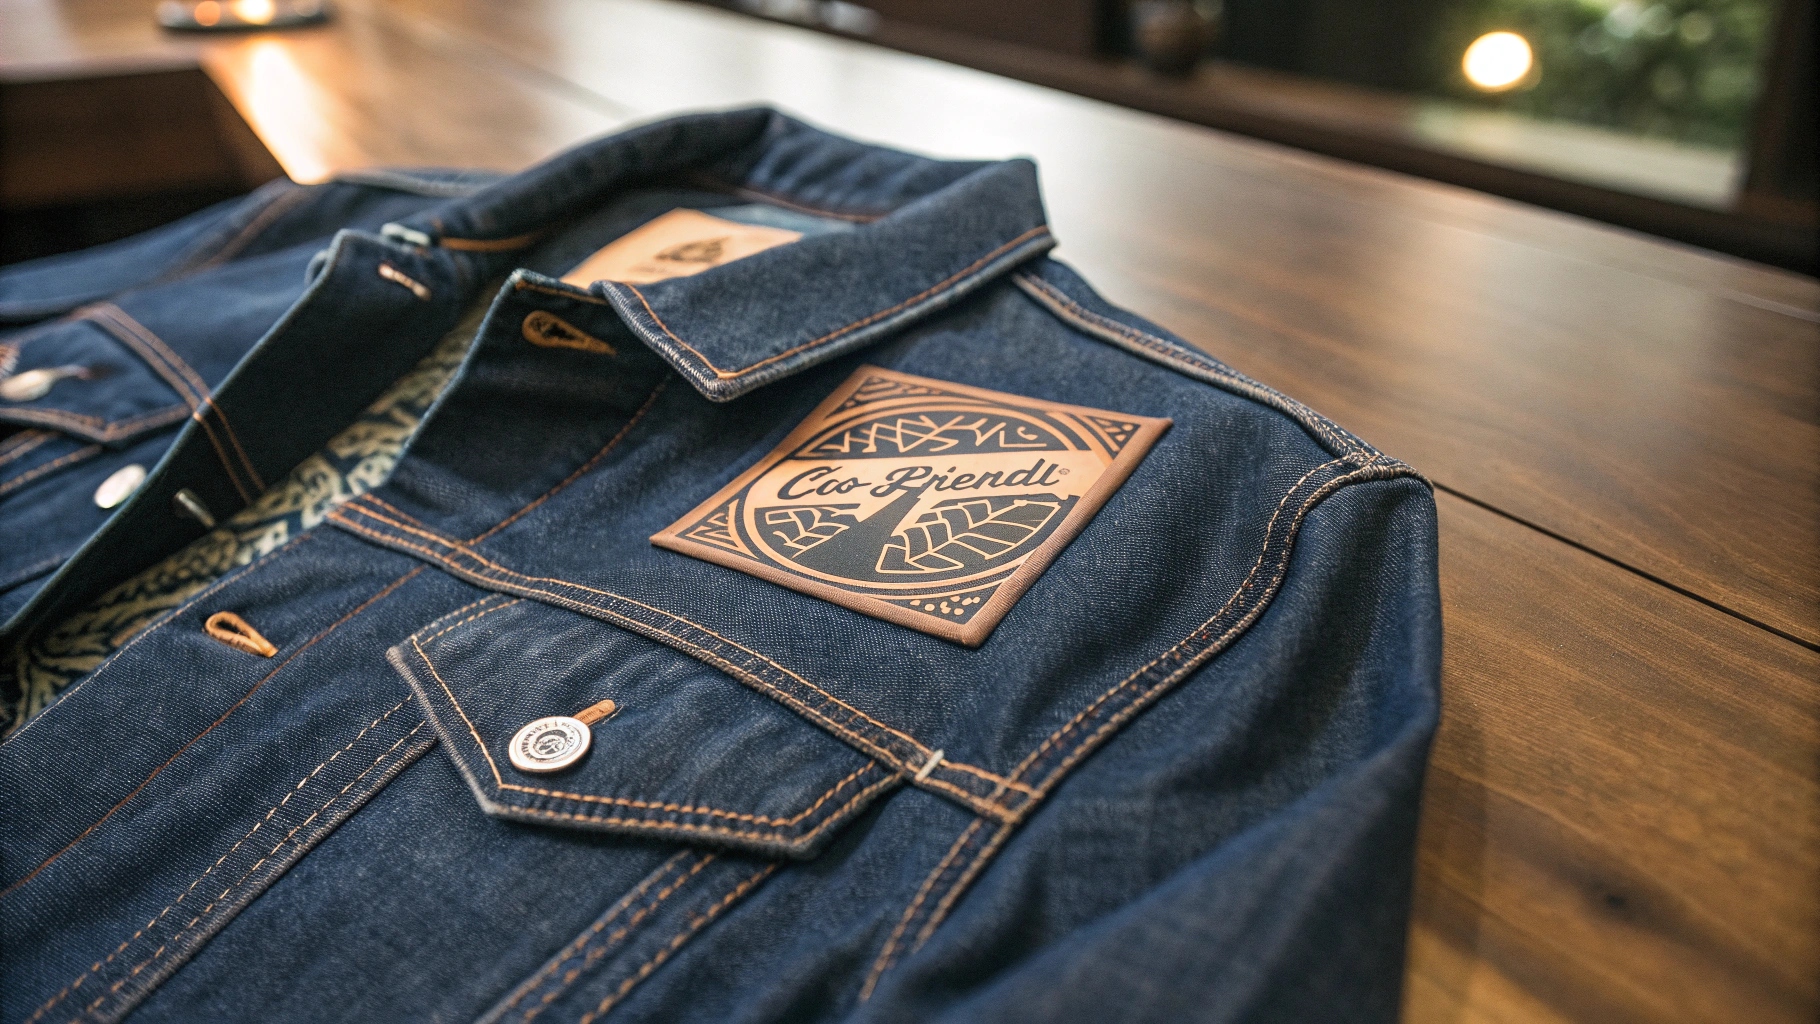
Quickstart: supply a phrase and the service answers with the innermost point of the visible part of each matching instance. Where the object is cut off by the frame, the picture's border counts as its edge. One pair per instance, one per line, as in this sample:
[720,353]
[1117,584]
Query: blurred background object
[1171,36]
[240,15]
[1691,119]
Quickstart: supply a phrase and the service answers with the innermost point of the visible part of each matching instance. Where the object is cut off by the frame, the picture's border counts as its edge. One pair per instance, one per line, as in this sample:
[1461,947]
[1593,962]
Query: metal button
[550,744]
[187,504]
[35,384]
[120,485]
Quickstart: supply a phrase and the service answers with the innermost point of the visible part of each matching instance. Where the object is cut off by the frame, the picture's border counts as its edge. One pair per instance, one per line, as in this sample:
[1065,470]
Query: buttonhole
[547,330]
[234,631]
[396,276]
[597,712]
[186,504]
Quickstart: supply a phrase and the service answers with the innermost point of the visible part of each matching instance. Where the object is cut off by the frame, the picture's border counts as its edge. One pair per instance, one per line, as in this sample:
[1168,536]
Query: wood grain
[367,94]
[1622,822]
[1614,391]
[1622,819]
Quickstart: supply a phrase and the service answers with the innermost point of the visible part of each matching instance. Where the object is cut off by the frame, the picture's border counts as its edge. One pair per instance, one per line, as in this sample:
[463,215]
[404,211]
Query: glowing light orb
[1497,61]
[255,12]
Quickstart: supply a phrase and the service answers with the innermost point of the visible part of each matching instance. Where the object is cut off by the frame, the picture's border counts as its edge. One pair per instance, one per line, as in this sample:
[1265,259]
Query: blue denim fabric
[1178,781]
[213,352]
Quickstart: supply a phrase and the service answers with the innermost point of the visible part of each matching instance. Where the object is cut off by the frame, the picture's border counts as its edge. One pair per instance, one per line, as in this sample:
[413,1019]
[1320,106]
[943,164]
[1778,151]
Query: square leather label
[677,244]
[921,502]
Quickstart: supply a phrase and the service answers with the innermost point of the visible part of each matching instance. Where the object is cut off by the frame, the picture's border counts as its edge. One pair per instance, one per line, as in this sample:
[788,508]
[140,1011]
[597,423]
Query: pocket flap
[687,753]
[96,377]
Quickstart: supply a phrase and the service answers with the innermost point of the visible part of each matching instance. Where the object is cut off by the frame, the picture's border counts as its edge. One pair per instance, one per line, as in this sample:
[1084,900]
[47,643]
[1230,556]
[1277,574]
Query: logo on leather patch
[929,504]
[678,244]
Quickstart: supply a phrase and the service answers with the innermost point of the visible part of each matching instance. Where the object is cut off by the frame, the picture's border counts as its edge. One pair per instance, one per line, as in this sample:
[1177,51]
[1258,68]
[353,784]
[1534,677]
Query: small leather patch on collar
[680,243]
[921,502]
[552,331]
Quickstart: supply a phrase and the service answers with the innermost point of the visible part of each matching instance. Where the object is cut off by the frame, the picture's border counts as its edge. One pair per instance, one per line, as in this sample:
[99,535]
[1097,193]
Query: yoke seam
[435,538]
[900,764]
[1338,440]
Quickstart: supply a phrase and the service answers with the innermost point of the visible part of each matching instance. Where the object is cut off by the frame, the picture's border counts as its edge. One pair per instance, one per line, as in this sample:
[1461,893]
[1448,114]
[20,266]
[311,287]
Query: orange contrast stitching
[499,781]
[645,824]
[1063,306]
[585,467]
[102,430]
[900,765]
[496,567]
[188,384]
[222,455]
[157,355]
[1056,736]
[493,244]
[754,192]
[885,959]
[162,621]
[72,986]
[1087,745]
[22,442]
[576,944]
[37,471]
[288,836]
[695,925]
[394,585]
[940,913]
[280,205]
[854,326]
[618,933]
[477,615]
[1084,747]
[209,404]
[579,296]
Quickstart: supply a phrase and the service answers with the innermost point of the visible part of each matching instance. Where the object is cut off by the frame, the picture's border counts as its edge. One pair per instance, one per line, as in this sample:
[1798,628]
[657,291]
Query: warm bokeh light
[206,13]
[1497,61]
[284,105]
[255,12]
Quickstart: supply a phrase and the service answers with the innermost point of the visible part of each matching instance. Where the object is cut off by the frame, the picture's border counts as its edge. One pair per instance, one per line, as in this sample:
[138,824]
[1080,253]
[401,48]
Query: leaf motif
[801,527]
[967,531]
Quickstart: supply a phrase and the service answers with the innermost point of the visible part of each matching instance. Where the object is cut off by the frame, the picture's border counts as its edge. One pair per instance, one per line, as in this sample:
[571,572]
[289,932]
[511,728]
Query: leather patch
[551,331]
[677,244]
[929,504]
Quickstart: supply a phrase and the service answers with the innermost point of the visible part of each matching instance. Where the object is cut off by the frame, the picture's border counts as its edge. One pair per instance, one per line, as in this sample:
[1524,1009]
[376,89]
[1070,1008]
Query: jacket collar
[926,233]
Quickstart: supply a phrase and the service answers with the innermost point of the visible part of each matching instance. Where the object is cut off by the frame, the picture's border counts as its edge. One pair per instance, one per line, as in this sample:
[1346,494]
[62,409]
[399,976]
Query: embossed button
[120,485]
[550,744]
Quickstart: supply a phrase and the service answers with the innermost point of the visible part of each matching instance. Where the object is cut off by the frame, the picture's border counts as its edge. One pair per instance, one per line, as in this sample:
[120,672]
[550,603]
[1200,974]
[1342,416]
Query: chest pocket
[684,753]
[99,377]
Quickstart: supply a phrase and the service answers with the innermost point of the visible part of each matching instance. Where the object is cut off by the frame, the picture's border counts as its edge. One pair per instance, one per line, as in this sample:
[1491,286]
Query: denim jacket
[834,611]
[138,353]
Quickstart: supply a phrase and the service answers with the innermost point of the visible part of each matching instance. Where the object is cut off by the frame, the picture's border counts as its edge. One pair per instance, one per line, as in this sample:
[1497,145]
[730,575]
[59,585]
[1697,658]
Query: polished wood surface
[1622,410]
[1622,822]
[1622,813]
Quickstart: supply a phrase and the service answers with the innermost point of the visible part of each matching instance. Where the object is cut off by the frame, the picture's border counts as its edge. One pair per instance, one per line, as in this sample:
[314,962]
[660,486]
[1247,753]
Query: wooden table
[1623,814]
